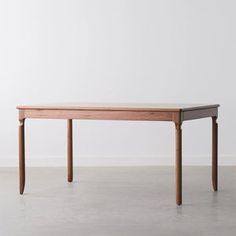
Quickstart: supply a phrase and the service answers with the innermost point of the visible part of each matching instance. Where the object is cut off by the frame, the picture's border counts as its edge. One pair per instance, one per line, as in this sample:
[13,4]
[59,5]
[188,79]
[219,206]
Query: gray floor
[117,202]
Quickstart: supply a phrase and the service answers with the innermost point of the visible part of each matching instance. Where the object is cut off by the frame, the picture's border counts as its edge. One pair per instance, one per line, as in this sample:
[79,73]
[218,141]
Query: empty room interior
[117,117]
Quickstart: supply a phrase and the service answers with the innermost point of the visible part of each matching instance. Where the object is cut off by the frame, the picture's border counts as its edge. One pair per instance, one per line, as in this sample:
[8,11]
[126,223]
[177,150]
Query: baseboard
[123,160]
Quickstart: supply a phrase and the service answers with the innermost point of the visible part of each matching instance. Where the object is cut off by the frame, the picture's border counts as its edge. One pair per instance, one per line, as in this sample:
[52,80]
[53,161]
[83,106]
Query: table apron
[198,114]
[100,115]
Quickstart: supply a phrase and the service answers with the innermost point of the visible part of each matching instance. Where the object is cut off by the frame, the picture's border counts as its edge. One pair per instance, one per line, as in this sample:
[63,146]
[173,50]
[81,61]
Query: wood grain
[101,115]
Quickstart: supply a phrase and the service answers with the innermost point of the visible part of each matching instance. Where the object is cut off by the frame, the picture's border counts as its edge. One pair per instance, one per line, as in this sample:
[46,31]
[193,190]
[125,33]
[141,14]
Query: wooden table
[176,113]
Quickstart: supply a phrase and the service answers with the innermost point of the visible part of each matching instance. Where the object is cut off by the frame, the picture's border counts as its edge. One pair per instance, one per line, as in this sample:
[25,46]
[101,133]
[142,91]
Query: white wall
[117,51]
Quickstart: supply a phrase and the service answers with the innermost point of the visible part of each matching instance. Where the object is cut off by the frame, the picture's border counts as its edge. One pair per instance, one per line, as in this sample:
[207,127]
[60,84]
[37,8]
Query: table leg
[214,153]
[69,151]
[22,155]
[178,163]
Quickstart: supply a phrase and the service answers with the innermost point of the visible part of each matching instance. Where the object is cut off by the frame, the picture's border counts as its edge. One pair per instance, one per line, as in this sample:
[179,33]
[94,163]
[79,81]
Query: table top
[119,106]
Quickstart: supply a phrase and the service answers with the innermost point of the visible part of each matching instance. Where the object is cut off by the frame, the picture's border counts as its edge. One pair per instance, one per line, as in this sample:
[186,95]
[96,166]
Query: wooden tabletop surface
[119,106]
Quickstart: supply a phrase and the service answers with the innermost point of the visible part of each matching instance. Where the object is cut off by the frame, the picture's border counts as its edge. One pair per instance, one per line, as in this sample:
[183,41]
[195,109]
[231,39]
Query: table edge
[118,108]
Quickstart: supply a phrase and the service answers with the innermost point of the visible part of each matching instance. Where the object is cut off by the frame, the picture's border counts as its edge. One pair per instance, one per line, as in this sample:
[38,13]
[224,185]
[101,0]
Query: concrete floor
[117,202]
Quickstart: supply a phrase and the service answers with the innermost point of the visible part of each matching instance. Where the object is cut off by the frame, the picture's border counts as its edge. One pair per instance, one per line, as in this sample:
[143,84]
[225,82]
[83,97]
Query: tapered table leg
[178,163]
[22,155]
[69,151]
[214,153]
